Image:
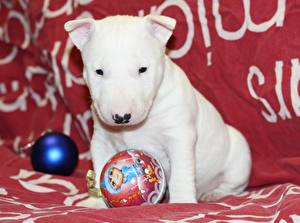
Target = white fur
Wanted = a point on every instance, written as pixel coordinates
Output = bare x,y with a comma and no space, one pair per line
204,159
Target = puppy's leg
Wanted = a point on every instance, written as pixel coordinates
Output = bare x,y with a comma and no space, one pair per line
237,169
101,152
181,151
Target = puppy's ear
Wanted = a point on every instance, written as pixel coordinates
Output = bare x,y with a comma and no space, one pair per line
161,27
80,31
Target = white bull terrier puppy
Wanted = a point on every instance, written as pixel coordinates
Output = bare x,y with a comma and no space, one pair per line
142,100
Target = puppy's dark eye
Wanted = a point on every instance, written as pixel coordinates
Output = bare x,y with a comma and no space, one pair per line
142,70
99,72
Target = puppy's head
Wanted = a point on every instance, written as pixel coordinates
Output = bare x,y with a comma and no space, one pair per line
123,59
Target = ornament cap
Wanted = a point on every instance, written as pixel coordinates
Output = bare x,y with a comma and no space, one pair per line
92,190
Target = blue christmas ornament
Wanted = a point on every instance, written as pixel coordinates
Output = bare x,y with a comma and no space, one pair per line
54,153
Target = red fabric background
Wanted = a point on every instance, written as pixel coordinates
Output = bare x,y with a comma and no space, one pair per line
274,145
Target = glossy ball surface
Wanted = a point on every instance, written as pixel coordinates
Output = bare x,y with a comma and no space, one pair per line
131,178
54,153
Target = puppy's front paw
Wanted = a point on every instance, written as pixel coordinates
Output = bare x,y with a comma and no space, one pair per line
179,195
92,202
182,199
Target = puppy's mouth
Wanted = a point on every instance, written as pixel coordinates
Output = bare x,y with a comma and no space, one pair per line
115,121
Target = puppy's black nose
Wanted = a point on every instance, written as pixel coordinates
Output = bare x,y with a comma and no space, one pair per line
119,119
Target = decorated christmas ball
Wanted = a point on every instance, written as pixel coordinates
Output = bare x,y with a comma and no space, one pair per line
54,153
132,177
